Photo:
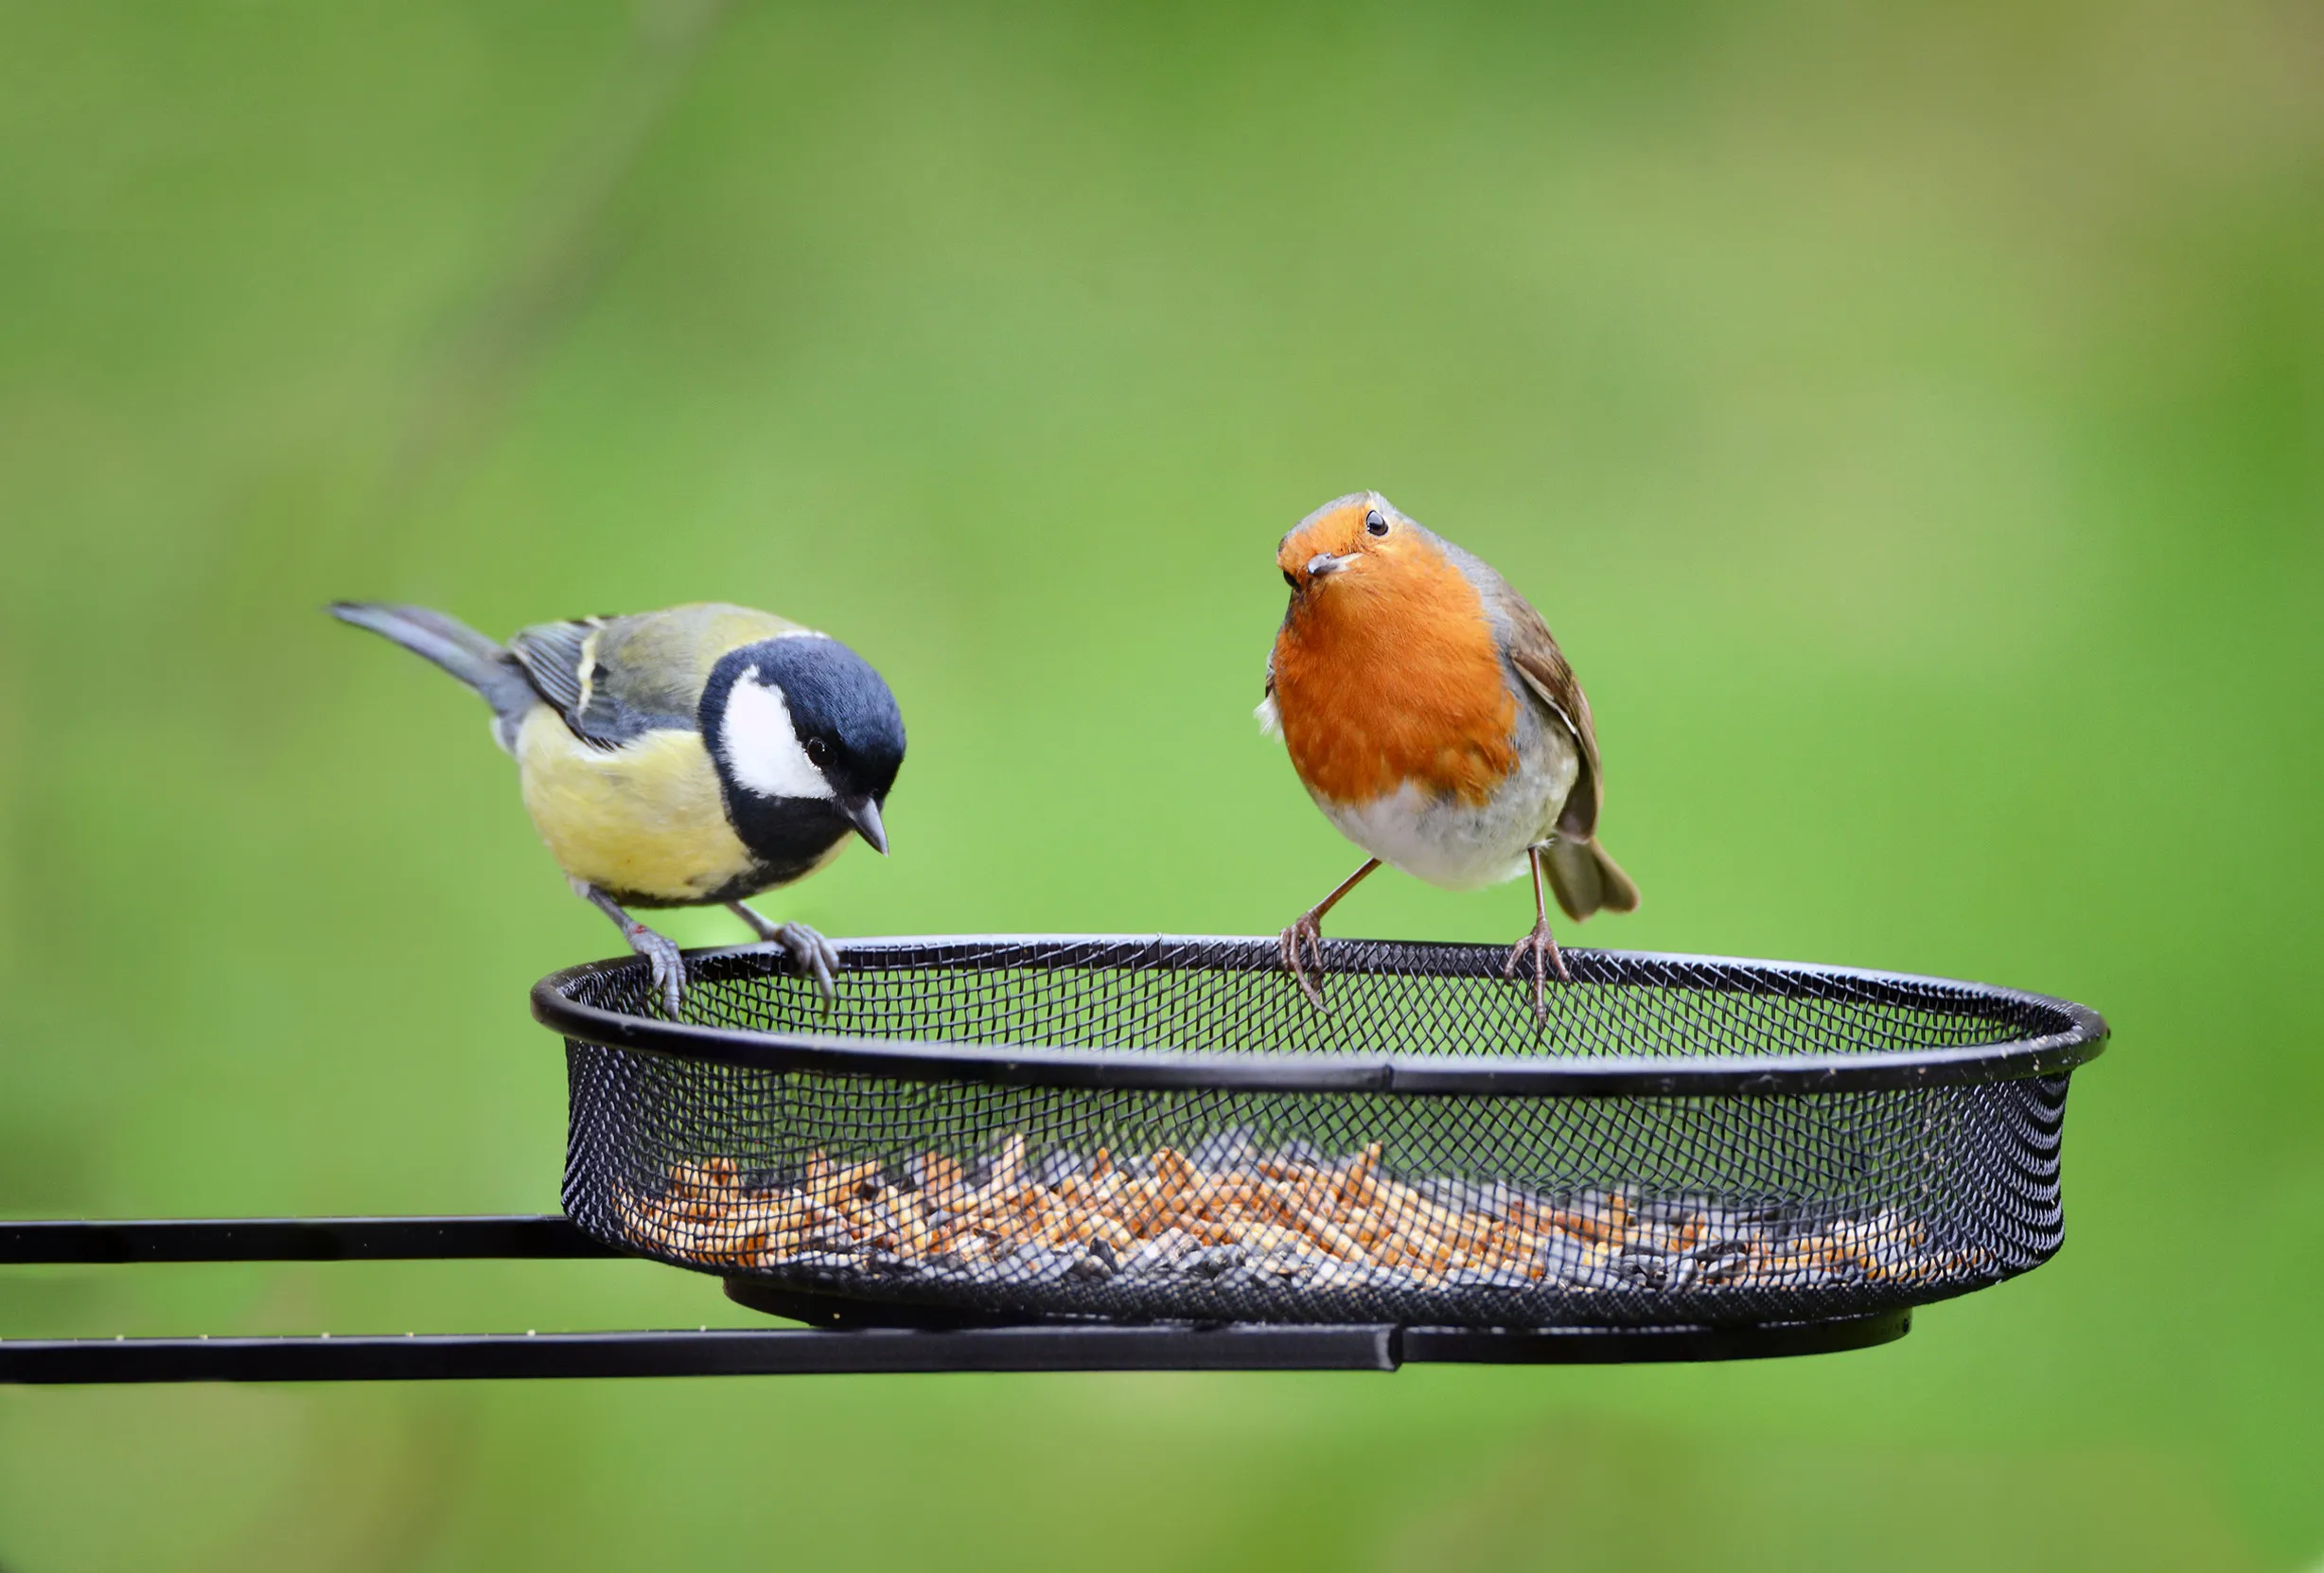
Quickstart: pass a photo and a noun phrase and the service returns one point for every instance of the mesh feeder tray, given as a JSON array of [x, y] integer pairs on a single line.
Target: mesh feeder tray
[[1141, 1129]]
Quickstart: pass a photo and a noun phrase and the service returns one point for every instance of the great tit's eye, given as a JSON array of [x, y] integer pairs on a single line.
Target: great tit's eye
[[1291, 578], [1376, 524], [819, 754]]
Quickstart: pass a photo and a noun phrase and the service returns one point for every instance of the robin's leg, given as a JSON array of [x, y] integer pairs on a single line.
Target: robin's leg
[[1541, 942], [816, 956], [660, 951], [1310, 928]]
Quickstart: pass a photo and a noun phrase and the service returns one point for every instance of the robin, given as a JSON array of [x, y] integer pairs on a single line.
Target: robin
[[1435, 721]]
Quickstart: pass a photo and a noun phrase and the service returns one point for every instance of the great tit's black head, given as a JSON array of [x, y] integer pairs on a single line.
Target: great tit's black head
[[807, 741]]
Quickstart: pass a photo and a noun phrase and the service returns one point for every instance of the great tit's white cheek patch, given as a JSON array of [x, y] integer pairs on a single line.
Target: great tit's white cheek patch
[[763, 753]]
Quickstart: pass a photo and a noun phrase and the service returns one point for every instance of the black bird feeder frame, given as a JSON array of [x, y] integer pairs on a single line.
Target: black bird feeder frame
[[1152, 1153]]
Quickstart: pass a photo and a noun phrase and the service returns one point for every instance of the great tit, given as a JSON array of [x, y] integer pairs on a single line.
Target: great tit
[[680, 759]]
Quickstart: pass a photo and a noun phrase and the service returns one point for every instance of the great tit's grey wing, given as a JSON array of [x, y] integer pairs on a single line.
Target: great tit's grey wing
[[552, 654], [660, 662], [565, 666], [614, 678]]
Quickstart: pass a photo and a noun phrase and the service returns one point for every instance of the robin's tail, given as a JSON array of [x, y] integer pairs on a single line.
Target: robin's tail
[[459, 649], [1585, 879]]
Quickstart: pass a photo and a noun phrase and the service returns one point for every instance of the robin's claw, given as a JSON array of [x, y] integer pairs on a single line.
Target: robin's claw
[[1308, 932], [1310, 929], [1542, 948]]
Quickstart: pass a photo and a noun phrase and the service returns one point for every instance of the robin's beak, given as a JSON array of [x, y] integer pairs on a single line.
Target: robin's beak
[[1322, 564], [865, 817]]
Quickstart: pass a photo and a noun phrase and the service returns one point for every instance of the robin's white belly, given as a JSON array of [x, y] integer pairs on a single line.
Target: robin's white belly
[[1435, 837], [1449, 842]]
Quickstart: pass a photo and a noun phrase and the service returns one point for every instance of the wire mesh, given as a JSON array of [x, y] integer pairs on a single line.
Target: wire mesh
[[1901, 1144]]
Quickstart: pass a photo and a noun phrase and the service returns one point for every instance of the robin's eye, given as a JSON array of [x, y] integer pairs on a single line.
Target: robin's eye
[[818, 752], [1373, 523], [1291, 578]]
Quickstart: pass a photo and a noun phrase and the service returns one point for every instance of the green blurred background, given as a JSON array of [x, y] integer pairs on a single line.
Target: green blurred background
[[1911, 419]]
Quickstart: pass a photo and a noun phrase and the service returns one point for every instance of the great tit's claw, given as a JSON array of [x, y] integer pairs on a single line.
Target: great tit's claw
[[662, 954], [813, 954], [660, 951], [810, 951]]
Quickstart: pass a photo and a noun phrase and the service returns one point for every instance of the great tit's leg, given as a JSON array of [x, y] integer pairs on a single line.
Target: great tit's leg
[[815, 954], [1309, 932], [1541, 943], [765, 927], [660, 951]]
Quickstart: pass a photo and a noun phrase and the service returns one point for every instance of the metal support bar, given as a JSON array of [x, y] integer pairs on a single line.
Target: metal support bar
[[751, 1352], [717, 1352], [76, 1240], [1246, 1347]]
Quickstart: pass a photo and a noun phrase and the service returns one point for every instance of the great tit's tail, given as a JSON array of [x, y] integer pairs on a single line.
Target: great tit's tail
[[1586, 880], [459, 649]]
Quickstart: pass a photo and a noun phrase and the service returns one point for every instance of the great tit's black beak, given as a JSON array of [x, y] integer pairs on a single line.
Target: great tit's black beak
[[1322, 564], [865, 817]]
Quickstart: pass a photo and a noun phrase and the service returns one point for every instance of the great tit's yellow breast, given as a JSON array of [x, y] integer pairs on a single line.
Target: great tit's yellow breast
[[645, 821]]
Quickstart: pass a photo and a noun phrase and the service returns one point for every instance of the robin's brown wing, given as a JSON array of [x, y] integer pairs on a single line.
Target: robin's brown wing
[[1535, 654]]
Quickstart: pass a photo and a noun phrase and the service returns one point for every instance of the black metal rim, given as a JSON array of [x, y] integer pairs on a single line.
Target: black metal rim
[[2053, 1053]]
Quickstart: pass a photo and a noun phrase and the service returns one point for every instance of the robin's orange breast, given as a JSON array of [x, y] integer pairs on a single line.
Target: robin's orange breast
[[1389, 673]]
